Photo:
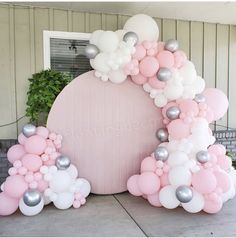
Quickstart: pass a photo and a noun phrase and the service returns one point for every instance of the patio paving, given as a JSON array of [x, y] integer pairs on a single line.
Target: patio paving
[[120, 215]]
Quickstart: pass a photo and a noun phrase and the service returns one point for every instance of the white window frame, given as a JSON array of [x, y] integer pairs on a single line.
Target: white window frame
[[47, 35]]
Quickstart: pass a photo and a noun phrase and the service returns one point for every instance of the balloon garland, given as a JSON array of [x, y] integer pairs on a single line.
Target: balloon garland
[[40, 175], [187, 169]]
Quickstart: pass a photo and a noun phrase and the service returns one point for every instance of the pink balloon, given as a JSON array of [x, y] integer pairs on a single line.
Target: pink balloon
[[166, 59], [8, 205], [178, 129], [149, 66], [148, 164], [35, 145], [140, 52], [213, 206], [15, 153], [189, 106], [15, 186], [149, 183], [180, 58], [223, 180], [204, 181], [164, 180], [22, 139], [132, 185], [224, 162], [155, 83], [217, 101], [42, 131], [160, 46], [42, 185], [139, 79], [32, 162], [154, 200], [217, 149]]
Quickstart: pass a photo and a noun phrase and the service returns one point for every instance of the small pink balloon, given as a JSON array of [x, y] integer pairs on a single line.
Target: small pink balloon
[[42, 185], [147, 44], [154, 200], [35, 145], [42, 131], [33, 185], [22, 171], [12, 171], [213, 206], [224, 162], [17, 164], [15, 153], [180, 58], [165, 59], [22, 139], [8, 205], [160, 46], [52, 136], [217, 149], [49, 162], [76, 204], [188, 106], [140, 52], [139, 79], [164, 180], [178, 129], [132, 185], [32, 162], [155, 83], [148, 183], [149, 66], [15, 186], [29, 177], [223, 180], [38, 176], [148, 164]]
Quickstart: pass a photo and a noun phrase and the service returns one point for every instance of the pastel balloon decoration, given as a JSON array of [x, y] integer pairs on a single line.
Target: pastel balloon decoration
[[8, 205], [15, 153]]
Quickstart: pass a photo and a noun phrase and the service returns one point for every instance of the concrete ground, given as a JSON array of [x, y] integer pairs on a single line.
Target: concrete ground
[[121, 215]]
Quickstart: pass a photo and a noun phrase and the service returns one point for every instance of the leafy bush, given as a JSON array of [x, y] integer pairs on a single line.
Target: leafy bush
[[231, 155], [43, 90]]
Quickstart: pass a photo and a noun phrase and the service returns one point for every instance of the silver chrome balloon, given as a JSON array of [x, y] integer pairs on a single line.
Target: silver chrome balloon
[[130, 37], [173, 112], [161, 153], [164, 74], [172, 45], [91, 51], [32, 198], [29, 130], [203, 156], [199, 98], [162, 135], [62, 162], [184, 194]]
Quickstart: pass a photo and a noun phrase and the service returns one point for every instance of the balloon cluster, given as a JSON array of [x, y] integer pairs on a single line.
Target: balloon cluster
[[40, 175]]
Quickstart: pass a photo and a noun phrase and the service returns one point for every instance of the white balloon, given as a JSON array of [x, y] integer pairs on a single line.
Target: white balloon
[[2, 187], [120, 33], [196, 204], [177, 158], [180, 175], [30, 211], [83, 186], [64, 200], [167, 197], [108, 41], [188, 72], [189, 91], [100, 63], [199, 85], [147, 88], [60, 181], [173, 91], [72, 171], [144, 26], [46, 200], [160, 100], [117, 76], [95, 37]]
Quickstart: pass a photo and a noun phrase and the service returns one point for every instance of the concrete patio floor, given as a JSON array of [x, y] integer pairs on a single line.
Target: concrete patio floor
[[121, 215]]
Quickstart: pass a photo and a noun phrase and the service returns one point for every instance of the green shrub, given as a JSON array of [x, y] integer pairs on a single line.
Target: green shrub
[[231, 155]]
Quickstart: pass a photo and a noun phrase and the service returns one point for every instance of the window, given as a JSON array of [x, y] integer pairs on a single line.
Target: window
[[64, 52]]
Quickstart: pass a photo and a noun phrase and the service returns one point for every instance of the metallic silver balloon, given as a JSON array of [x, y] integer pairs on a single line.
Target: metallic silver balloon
[[131, 37], [32, 198], [173, 112], [184, 194], [62, 162], [172, 45], [203, 156], [29, 130], [91, 51], [199, 98], [161, 153], [162, 135], [164, 74]]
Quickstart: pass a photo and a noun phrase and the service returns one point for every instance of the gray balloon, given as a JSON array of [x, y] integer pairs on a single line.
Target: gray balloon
[[184, 194], [29, 130], [173, 112], [32, 198], [172, 45], [91, 51], [199, 98], [161, 153], [131, 37], [164, 74], [62, 162], [203, 156], [162, 135]]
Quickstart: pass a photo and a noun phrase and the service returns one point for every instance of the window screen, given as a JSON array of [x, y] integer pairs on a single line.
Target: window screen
[[68, 56]]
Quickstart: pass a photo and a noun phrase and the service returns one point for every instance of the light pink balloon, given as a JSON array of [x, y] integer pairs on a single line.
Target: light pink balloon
[[8, 205], [166, 59], [42, 131], [180, 58], [35, 145], [217, 149], [15, 153], [15, 186], [42, 185], [164, 180], [149, 183], [188, 106], [32, 162], [155, 83], [160, 46], [140, 52], [148, 164], [149, 66], [223, 180], [154, 200], [178, 129], [224, 162], [204, 181], [132, 185], [22, 139], [213, 206], [139, 79], [217, 101]]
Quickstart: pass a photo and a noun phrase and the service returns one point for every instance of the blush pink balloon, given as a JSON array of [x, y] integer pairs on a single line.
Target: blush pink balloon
[[180, 58], [15, 186], [132, 185], [223, 180], [148, 164], [148, 183], [204, 181], [35, 145], [154, 200], [42, 185], [164, 180], [160, 46], [178, 129], [165, 59], [217, 101], [189, 106], [15, 153], [22, 139], [149, 66], [155, 83], [32, 162], [217, 149], [42, 131], [8, 205], [139, 79], [224, 162], [213, 206], [140, 52]]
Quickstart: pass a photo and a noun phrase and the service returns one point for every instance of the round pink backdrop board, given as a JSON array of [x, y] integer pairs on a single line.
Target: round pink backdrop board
[[107, 129]]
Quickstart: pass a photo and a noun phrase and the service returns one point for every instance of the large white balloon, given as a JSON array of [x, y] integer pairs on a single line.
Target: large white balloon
[[31, 211], [108, 41], [100, 63], [117, 76], [196, 204], [72, 171], [64, 200], [188, 72], [167, 197], [144, 26], [177, 158], [160, 100], [173, 92], [180, 175], [60, 181], [95, 37], [83, 186]]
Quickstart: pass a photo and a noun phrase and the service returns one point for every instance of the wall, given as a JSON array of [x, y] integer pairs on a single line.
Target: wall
[[212, 48]]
